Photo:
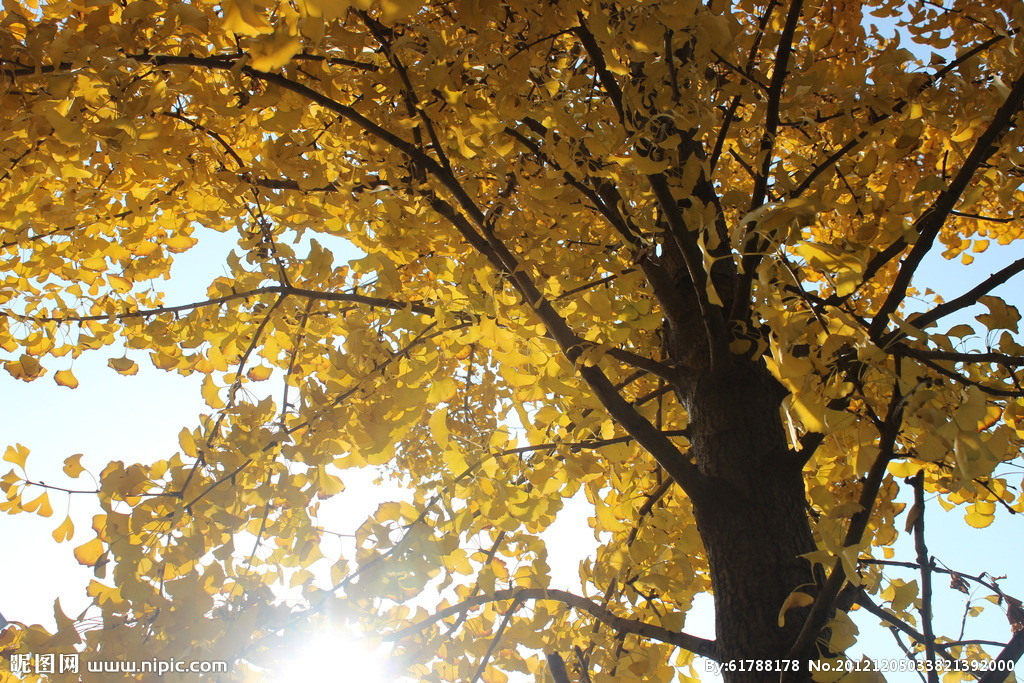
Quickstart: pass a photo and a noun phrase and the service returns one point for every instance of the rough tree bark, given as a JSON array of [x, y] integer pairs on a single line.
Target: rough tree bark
[[752, 512], [752, 518]]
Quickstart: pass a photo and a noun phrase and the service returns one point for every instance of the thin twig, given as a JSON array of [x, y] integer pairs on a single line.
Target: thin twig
[[926, 576]]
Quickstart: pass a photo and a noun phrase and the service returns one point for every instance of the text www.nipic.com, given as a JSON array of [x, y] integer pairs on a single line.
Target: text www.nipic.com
[[156, 666]]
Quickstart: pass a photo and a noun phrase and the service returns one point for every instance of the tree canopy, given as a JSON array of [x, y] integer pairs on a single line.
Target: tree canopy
[[661, 254]]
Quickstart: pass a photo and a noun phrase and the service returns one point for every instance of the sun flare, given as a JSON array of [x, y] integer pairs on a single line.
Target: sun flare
[[338, 656]]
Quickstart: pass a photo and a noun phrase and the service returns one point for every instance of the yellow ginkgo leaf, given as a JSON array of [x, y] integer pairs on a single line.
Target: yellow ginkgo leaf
[[241, 17], [89, 553], [979, 515], [65, 531], [66, 378], [25, 368], [1000, 314], [96, 263], [438, 423], [456, 460], [16, 454], [912, 517], [40, 506], [119, 284], [73, 465], [179, 243], [259, 373], [272, 52], [211, 393], [124, 366], [796, 599]]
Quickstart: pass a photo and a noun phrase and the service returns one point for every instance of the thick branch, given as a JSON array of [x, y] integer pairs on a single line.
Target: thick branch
[[495, 640], [730, 115], [412, 100], [1013, 651], [646, 434], [700, 280], [694, 644], [771, 124], [753, 255], [927, 227], [958, 357], [685, 238], [968, 298], [606, 198], [608, 82], [991, 391], [556, 666], [282, 290]]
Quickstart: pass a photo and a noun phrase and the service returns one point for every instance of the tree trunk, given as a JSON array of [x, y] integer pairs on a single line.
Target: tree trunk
[[753, 520], [753, 516]]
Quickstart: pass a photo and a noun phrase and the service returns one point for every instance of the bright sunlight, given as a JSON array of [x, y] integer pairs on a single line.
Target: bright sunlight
[[338, 655]]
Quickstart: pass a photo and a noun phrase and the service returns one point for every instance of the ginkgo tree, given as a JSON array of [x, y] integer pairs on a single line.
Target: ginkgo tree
[[659, 254]]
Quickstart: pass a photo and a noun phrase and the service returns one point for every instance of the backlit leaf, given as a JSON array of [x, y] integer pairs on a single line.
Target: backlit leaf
[[89, 553], [73, 466], [123, 366], [66, 378], [65, 531]]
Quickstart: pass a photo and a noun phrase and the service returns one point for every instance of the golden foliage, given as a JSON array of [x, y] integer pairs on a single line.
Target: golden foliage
[[450, 217]]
